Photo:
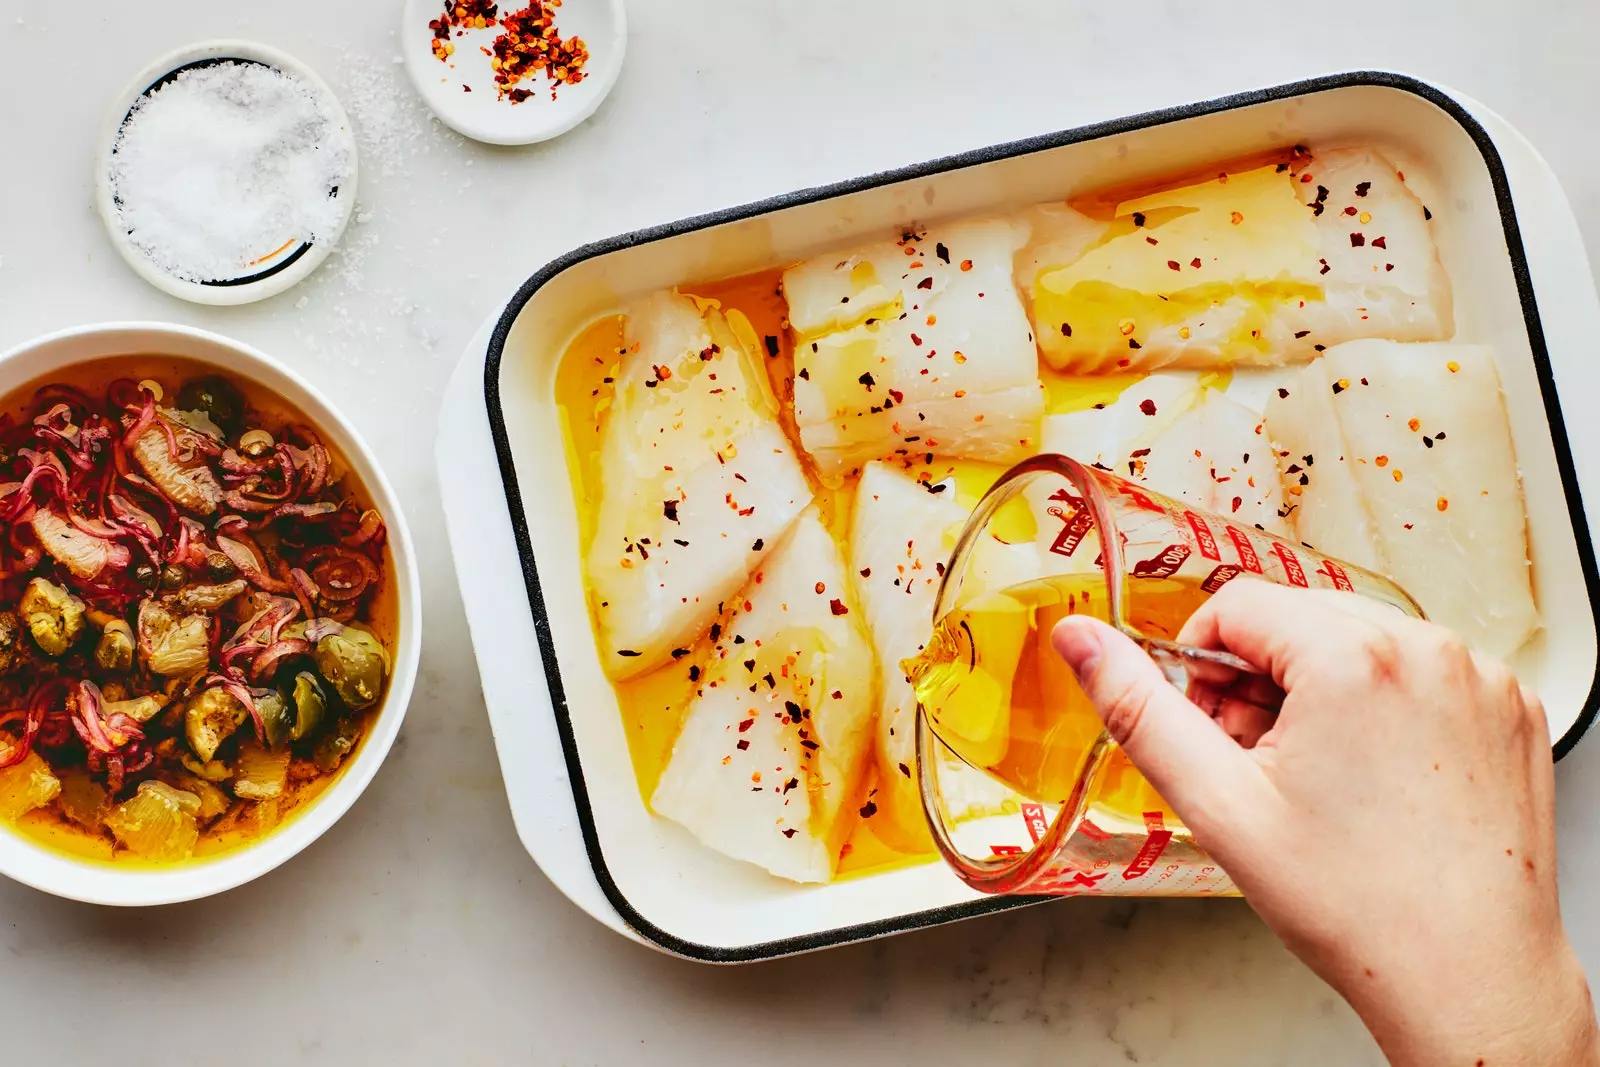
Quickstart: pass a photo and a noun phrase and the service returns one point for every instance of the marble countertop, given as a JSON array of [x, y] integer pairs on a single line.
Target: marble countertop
[[418, 931]]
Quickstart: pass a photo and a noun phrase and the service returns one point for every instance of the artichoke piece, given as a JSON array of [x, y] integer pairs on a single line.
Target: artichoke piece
[[310, 704], [207, 597], [261, 772], [209, 771], [210, 719], [139, 709], [171, 645], [83, 800], [157, 823], [332, 750], [114, 650], [276, 719], [355, 663], [12, 652], [25, 786], [54, 616], [213, 801], [222, 403]]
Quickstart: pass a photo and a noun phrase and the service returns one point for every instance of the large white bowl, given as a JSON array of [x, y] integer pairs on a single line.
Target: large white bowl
[[102, 883]]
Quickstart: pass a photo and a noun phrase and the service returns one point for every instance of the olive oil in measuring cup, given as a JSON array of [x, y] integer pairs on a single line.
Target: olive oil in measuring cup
[[1002, 699], [992, 692]]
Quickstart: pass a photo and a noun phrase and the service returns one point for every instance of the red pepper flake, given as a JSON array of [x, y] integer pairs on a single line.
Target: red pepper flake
[[1357, 240], [916, 340], [926, 283], [528, 44], [1380, 242], [1195, 263], [1147, 406], [1426, 214], [904, 769], [757, 546], [1283, 394], [1350, 210], [1172, 264], [897, 396], [821, 588], [694, 674], [866, 380], [868, 810], [941, 251], [669, 508], [1362, 187], [1138, 218], [466, 14], [1325, 268], [1151, 241], [837, 607], [626, 652], [1134, 344], [1306, 177], [966, 264], [1388, 266], [742, 744], [1301, 333], [866, 572], [1236, 502], [772, 345], [1066, 330], [805, 374]]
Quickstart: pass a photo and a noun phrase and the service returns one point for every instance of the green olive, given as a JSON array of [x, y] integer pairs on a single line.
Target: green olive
[[355, 664], [210, 719], [221, 568], [217, 397], [54, 616], [310, 705], [276, 718], [114, 651]]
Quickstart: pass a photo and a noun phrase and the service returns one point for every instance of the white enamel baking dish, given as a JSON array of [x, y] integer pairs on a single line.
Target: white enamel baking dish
[[1504, 230]]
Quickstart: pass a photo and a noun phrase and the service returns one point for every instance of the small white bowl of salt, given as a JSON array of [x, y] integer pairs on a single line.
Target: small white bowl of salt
[[227, 174]]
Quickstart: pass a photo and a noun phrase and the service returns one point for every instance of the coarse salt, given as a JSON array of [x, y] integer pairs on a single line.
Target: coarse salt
[[228, 166]]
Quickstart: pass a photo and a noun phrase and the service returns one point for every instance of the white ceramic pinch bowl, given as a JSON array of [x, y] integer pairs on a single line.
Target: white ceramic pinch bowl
[[278, 272], [96, 882]]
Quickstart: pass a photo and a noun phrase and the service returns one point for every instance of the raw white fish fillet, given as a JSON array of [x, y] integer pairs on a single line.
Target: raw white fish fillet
[[1322, 496], [1058, 236], [1257, 267], [915, 347], [1179, 438], [1426, 428], [700, 482], [769, 764], [901, 536]]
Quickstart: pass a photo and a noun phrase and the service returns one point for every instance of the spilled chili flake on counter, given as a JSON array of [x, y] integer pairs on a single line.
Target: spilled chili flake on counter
[[195, 619]]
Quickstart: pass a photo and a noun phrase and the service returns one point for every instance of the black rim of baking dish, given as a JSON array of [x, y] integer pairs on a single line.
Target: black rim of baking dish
[[932, 917], [168, 78]]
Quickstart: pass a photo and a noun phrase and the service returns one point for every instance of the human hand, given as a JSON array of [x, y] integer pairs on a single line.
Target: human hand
[[1394, 825]]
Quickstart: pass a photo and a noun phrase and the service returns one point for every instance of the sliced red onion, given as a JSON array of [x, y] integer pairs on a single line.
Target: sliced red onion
[[250, 566], [371, 526]]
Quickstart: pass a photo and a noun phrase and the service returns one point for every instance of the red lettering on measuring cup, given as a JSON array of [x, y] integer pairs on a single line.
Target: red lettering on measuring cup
[[1336, 575], [1006, 850], [1154, 844], [1033, 816], [1219, 577], [1164, 564], [1093, 832], [1140, 499], [1076, 522], [1247, 552], [1203, 536], [1291, 565]]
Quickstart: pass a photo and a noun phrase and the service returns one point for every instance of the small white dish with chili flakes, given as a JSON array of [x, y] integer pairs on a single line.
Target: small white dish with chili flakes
[[513, 73]]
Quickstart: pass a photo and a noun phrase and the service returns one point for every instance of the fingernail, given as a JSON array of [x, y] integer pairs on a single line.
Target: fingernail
[[1078, 642]]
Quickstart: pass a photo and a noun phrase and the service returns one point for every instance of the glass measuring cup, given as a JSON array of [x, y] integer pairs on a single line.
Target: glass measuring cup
[[1063, 811]]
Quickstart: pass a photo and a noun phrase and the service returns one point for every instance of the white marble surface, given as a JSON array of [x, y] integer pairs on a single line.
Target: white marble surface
[[417, 931]]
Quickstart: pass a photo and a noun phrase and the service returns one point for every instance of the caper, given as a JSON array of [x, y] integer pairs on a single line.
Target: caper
[[146, 574], [215, 396], [173, 576], [221, 568]]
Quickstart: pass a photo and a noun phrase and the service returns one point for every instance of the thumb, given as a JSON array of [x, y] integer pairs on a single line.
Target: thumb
[[1195, 766]]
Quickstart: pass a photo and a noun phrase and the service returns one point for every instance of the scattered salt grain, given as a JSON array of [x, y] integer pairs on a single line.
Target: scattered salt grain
[[227, 166]]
